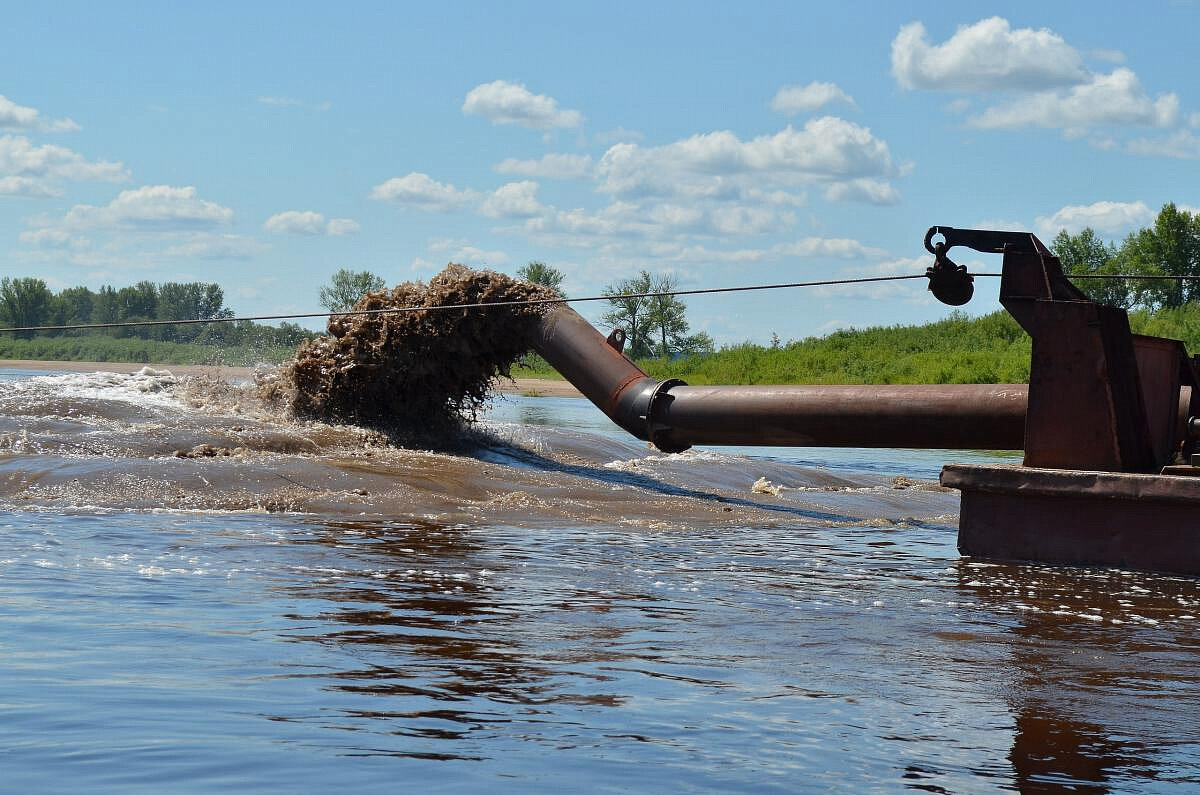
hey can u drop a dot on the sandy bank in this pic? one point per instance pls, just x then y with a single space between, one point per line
534 387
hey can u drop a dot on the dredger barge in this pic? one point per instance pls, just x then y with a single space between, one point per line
1108 422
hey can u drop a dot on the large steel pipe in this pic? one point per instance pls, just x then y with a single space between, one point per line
574 347
675 416
977 416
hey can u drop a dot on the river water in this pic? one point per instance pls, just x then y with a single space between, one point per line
555 607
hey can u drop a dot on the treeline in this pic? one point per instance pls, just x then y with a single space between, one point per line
28 302
1169 247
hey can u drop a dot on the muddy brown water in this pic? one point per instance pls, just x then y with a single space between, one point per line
320 608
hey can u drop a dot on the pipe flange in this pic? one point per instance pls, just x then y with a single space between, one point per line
652 428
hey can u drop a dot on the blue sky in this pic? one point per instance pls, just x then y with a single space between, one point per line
264 146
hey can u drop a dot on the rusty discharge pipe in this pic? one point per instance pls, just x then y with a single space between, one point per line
675 416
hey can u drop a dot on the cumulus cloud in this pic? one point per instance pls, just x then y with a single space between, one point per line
1182 144
1106 217
654 221
513 200
869 191
719 164
21 118
342 226
309 222
423 192
805 248
214 246
1113 99
20 157
50 238
794 100
27 187
1041 80
551 166
152 206
138 228
462 252
986 56
502 102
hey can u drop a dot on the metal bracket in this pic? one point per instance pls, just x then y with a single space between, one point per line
616 340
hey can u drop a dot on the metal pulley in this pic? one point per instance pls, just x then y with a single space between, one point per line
948 281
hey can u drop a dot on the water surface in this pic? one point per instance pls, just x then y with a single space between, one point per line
556 605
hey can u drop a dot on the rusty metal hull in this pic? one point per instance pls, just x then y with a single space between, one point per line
946 416
1132 521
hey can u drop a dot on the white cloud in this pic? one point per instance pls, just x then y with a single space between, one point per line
870 191
1182 144
721 165
655 221
460 251
513 200
51 238
1116 98
20 157
793 100
986 56
27 187
423 192
342 226
20 117
309 222
209 245
502 102
152 206
805 248
551 166
914 291
1107 218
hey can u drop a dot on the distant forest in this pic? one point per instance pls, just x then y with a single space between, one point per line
29 302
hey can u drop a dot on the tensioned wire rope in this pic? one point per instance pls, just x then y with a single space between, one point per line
544 301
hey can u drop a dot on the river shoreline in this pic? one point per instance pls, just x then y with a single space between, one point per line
530 387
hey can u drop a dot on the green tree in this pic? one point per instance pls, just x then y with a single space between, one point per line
537 272
74 305
1085 254
189 301
668 317
1171 247
106 308
346 287
24 302
630 312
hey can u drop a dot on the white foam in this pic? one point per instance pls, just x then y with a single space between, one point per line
147 386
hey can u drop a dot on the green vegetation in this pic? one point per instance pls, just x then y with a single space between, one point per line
346 287
536 272
655 325
1169 247
29 302
100 348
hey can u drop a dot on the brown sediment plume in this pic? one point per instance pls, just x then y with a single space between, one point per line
414 374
